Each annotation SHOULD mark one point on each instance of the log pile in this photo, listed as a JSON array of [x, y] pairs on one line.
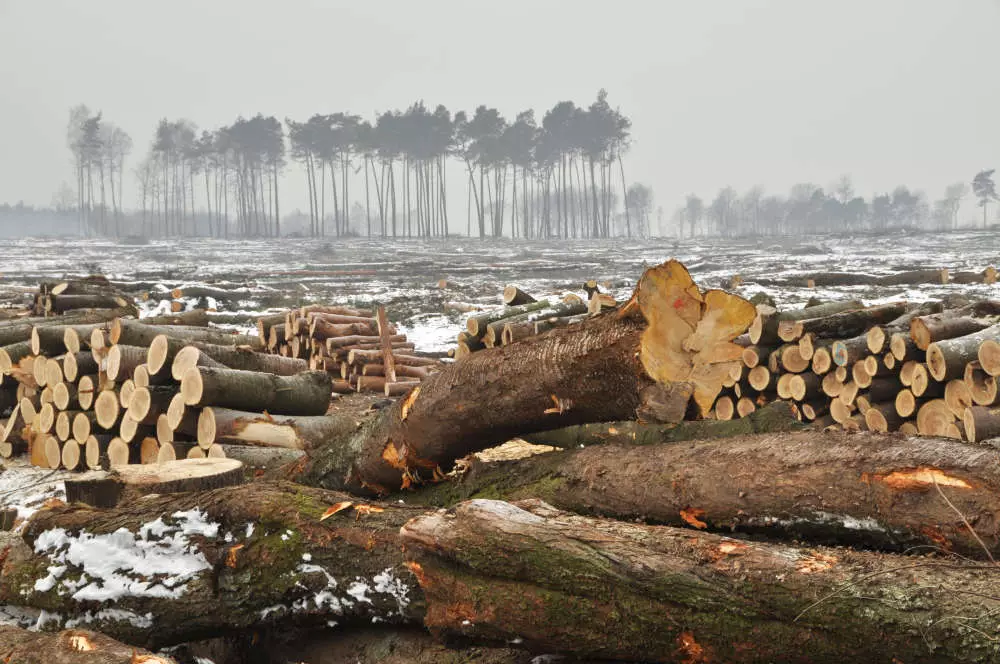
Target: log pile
[[920, 369], [94, 292], [523, 316], [358, 348], [646, 537], [89, 396]]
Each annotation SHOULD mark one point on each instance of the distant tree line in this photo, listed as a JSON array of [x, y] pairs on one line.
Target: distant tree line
[[809, 208], [562, 178]]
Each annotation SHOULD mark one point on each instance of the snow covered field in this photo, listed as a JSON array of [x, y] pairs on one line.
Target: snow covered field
[[405, 275]]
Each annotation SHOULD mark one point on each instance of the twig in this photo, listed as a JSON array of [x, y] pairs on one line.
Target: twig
[[964, 520]]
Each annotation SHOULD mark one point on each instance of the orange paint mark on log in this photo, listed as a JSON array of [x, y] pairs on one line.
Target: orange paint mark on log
[[418, 572], [816, 562], [690, 516], [920, 479], [231, 556], [690, 651], [408, 402]]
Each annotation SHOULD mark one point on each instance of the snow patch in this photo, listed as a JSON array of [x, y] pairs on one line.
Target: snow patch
[[157, 561]]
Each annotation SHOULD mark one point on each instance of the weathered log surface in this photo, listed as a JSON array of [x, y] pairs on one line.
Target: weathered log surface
[[834, 488], [559, 583], [256, 556], [71, 646]]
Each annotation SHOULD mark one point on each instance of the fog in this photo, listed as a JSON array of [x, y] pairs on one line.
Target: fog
[[735, 93]]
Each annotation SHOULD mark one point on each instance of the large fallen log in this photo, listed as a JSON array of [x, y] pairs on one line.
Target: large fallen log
[[558, 583], [71, 646], [253, 556], [669, 345], [831, 488]]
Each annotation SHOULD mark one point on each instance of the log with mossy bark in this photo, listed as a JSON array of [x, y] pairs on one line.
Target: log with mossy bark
[[255, 556], [867, 490], [558, 583], [669, 346], [772, 418]]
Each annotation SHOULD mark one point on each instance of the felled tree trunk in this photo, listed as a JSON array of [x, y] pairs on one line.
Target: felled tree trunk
[[71, 646], [831, 488], [773, 418], [135, 333], [671, 341], [557, 583], [256, 555], [222, 425], [306, 393]]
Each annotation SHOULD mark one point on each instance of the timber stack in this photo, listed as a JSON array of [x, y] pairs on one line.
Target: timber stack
[[524, 316], [94, 392], [359, 348], [915, 368], [780, 543]]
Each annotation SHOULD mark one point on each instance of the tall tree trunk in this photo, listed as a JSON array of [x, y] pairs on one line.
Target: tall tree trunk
[[628, 221], [368, 203]]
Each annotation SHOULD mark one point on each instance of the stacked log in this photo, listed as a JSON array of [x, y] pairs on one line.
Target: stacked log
[[358, 348], [663, 539], [124, 391], [524, 316], [919, 369]]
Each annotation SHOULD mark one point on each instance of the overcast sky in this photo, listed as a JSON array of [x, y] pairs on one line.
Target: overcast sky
[[738, 92]]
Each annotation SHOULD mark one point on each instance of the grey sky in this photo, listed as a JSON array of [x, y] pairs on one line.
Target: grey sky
[[738, 92]]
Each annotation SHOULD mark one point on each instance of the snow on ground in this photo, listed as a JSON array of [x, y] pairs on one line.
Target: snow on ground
[[405, 275]]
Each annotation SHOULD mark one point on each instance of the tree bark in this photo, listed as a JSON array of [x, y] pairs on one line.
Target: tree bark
[[947, 325], [164, 349], [658, 594], [841, 325], [946, 359], [307, 393], [255, 556], [222, 425], [828, 488], [764, 329], [773, 418], [135, 333]]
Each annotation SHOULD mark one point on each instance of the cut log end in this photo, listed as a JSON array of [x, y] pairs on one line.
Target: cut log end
[[107, 408]]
